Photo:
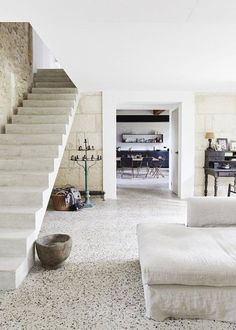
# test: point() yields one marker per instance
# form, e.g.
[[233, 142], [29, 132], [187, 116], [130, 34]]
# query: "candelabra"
[[86, 163]]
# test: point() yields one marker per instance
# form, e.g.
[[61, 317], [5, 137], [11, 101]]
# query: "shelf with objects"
[[86, 162], [142, 138]]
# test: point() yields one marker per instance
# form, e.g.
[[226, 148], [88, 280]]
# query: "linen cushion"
[[176, 254], [211, 211]]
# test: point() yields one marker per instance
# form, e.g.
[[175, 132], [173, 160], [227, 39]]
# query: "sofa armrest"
[[211, 211]]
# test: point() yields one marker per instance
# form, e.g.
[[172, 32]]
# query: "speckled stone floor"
[[99, 287]]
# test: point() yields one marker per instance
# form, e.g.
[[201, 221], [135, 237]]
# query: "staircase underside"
[[30, 156]]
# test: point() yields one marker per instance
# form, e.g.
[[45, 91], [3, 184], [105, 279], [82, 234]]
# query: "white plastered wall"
[[42, 56], [112, 100]]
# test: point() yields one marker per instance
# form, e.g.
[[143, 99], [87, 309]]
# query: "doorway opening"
[[147, 158]]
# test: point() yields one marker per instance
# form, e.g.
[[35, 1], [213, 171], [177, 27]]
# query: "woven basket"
[[59, 203]]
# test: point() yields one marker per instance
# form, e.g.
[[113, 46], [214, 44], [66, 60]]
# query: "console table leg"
[[206, 184], [216, 186]]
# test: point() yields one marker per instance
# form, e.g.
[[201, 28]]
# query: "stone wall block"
[[99, 120], [224, 123], [72, 141], [200, 142], [87, 123], [68, 177], [95, 139], [217, 113], [200, 123], [15, 67], [213, 104], [74, 128], [209, 123], [65, 160], [199, 159], [91, 103]]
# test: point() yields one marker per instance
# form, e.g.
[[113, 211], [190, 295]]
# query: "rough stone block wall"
[[15, 67], [214, 113], [87, 123]]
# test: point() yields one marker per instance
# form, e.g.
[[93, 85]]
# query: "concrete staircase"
[[30, 156]]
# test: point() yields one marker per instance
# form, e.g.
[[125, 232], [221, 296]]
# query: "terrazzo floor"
[[99, 287]]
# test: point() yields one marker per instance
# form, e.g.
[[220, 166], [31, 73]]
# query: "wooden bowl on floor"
[[53, 250]]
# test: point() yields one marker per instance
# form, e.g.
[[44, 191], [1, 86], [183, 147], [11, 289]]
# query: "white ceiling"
[[137, 44]]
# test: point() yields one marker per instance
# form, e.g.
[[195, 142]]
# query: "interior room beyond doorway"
[[143, 149]]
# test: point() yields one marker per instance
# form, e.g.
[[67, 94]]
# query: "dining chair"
[[145, 164], [127, 164], [157, 165], [118, 165], [137, 161]]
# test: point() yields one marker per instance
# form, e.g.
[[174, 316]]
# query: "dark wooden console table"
[[213, 163], [217, 173]]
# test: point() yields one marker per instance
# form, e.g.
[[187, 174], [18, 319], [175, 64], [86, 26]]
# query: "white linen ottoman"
[[188, 272]]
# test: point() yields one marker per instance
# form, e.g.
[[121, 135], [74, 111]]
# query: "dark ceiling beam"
[[141, 119], [157, 112]]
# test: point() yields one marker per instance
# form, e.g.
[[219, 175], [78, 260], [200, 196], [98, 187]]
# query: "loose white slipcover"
[[211, 211], [188, 301], [176, 254], [190, 271]]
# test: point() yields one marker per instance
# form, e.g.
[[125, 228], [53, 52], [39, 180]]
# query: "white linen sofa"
[[189, 271]]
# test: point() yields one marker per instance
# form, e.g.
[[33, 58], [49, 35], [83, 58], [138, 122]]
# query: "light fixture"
[[210, 136]]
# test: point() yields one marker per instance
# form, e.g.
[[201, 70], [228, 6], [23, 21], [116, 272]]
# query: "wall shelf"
[[142, 138]]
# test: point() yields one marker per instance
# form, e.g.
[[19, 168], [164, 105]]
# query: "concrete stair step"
[[12, 271], [35, 128], [48, 90], [49, 103], [51, 96], [30, 155], [41, 139], [54, 84], [40, 119], [51, 72], [23, 196], [44, 111], [24, 177], [19, 217], [51, 78], [15, 242], [33, 164], [28, 151]]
